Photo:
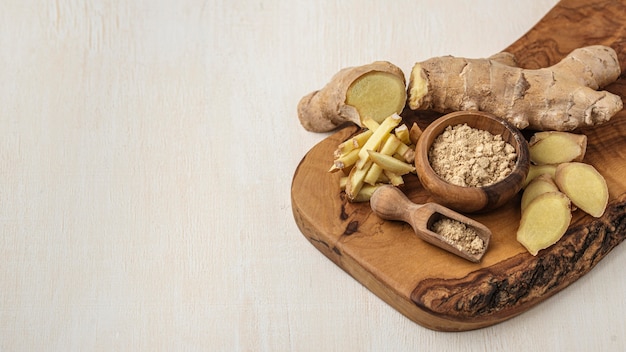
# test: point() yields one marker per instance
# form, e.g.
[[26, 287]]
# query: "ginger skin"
[[562, 97], [375, 91]]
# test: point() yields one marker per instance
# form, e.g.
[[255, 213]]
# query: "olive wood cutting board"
[[435, 288]]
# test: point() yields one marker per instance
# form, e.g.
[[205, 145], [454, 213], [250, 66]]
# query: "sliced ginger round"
[[538, 186], [584, 185], [377, 95], [544, 221], [556, 147], [538, 170]]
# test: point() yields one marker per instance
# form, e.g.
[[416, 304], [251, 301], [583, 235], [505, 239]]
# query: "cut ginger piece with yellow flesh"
[[584, 185], [538, 186], [372, 91], [556, 147], [377, 95], [544, 221]]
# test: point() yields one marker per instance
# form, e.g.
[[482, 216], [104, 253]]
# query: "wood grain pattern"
[[390, 203], [514, 285], [435, 289]]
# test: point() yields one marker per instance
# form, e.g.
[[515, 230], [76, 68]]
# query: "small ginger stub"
[[562, 97], [375, 91]]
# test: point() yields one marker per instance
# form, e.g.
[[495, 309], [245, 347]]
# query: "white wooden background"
[[146, 155]]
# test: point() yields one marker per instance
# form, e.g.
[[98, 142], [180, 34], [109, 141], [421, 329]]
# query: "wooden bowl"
[[472, 199]]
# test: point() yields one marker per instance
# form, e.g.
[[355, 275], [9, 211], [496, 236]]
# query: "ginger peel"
[[376, 90], [562, 97]]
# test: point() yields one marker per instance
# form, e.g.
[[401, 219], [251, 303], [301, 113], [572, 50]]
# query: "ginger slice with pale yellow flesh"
[[538, 170], [584, 185], [554, 147], [377, 95], [540, 185], [544, 221]]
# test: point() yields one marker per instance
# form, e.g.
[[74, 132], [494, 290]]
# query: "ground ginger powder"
[[459, 235], [470, 157]]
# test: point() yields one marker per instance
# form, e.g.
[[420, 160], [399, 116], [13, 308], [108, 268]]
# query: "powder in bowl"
[[470, 157]]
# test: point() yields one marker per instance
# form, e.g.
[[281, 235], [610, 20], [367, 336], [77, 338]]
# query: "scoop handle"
[[389, 203]]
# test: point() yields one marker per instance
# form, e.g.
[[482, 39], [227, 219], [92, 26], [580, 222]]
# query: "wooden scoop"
[[389, 203]]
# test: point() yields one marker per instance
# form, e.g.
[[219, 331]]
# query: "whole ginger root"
[[376, 91], [562, 97]]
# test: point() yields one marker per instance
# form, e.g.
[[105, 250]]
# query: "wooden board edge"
[[509, 288], [488, 295]]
